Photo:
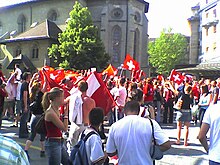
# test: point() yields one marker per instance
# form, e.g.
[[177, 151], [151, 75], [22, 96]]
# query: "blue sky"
[[161, 14]]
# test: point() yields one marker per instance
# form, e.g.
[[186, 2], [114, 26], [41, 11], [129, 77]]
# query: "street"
[[194, 154]]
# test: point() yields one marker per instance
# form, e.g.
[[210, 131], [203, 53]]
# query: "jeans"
[[158, 105], [213, 163], [23, 130], [56, 153], [201, 115], [168, 105]]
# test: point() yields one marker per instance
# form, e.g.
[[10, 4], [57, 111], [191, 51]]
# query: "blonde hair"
[[50, 96], [34, 90]]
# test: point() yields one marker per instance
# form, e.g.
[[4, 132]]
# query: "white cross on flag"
[[176, 77], [130, 63]]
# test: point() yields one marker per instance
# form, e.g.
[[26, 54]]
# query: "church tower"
[[123, 28]]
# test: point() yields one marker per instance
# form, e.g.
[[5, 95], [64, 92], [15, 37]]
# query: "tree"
[[79, 45], [167, 51]]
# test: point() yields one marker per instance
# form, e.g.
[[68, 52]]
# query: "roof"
[[146, 5], [45, 30], [21, 59], [204, 69], [18, 3]]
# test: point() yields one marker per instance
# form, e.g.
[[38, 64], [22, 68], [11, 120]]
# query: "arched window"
[[21, 23], [52, 15], [35, 51], [136, 44], [116, 43], [18, 51]]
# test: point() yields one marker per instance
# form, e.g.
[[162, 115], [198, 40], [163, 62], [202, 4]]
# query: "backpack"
[[78, 155]]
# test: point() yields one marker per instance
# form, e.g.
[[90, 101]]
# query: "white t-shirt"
[[93, 147], [131, 137], [212, 117], [75, 108], [19, 73], [122, 95]]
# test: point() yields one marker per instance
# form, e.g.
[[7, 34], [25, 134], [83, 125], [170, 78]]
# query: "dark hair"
[[83, 86], [25, 75], [205, 88], [17, 65], [132, 106], [122, 81], [136, 95], [96, 116]]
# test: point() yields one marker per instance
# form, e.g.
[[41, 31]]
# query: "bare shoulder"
[[49, 115]]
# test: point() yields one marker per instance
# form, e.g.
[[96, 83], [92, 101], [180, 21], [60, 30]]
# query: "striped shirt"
[[11, 153]]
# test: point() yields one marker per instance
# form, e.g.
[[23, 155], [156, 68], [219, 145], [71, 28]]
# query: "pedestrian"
[[131, 137], [184, 114], [18, 72], [211, 121], [3, 94], [204, 102], [168, 96], [80, 104], [94, 147], [25, 105], [37, 111], [55, 149]]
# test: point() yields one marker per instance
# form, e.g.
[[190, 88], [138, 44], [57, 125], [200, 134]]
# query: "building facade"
[[205, 39], [122, 23]]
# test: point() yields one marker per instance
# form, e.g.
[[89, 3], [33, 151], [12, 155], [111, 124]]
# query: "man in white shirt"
[[18, 72], [131, 137], [211, 120]]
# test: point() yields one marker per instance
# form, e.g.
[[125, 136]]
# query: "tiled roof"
[[44, 30]]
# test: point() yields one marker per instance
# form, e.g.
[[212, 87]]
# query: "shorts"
[[9, 104], [184, 115]]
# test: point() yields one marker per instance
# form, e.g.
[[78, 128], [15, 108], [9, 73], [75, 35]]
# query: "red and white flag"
[[130, 63], [99, 92], [177, 77]]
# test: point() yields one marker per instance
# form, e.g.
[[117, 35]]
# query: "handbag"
[[40, 126], [155, 152]]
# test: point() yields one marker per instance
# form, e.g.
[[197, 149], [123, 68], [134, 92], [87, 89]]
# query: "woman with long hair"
[[55, 150]]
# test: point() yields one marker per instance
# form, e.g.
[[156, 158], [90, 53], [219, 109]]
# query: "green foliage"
[[80, 46], [167, 51]]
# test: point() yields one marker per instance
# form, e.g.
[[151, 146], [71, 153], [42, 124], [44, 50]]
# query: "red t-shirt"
[[148, 91]]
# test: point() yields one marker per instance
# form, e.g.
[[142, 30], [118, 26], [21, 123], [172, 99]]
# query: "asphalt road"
[[194, 154]]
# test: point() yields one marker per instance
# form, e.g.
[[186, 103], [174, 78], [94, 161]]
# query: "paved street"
[[194, 154]]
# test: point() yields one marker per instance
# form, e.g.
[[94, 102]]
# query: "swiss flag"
[[110, 70], [176, 77], [130, 63], [99, 92]]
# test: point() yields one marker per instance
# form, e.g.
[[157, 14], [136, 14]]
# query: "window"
[[207, 49], [21, 23], [207, 15], [17, 51], [214, 13], [207, 1], [116, 43], [136, 43], [214, 29], [207, 31], [35, 51], [52, 15], [214, 46]]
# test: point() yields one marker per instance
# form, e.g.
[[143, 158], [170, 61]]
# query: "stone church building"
[[29, 28]]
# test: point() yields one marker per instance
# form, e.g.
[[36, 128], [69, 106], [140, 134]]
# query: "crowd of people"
[[24, 99]]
